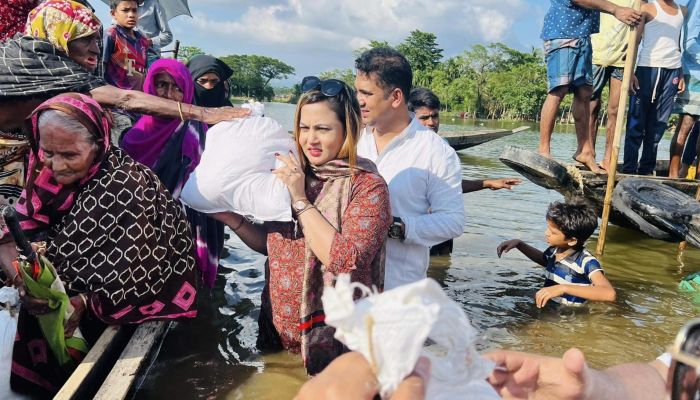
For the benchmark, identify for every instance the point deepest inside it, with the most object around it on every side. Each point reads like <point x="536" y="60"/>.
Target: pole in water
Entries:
<point x="630" y="58"/>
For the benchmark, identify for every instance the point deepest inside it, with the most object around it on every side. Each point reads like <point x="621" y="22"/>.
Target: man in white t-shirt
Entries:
<point x="423" y="172"/>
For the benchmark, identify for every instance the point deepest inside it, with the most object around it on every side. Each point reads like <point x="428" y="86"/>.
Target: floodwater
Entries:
<point x="214" y="357"/>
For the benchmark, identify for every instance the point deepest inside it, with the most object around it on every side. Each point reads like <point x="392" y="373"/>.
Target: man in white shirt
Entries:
<point x="423" y="172"/>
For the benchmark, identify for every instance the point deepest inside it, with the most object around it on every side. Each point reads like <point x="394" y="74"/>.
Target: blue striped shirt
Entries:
<point x="575" y="269"/>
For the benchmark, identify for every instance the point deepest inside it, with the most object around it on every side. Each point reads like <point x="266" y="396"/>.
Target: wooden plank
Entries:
<point x="87" y="365"/>
<point x="127" y="367"/>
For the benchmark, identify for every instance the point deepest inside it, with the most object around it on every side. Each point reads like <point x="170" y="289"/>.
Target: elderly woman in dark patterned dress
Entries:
<point x="341" y="206"/>
<point x="117" y="239"/>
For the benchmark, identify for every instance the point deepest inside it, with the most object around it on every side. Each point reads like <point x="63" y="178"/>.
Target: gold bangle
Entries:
<point x="179" y="109"/>
<point x="310" y="206"/>
<point x="239" y="225"/>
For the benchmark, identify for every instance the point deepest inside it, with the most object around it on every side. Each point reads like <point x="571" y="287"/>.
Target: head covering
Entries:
<point x="61" y="21"/>
<point x="147" y="138"/>
<point x="43" y="197"/>
<point x="216" y="96"/>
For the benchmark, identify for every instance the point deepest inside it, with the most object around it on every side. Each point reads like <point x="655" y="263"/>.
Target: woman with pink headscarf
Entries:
<point x="172" y="148"/>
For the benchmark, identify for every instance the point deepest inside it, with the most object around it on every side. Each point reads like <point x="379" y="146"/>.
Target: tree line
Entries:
<point x="252" y="74"/>
<point x="486" y="81"/>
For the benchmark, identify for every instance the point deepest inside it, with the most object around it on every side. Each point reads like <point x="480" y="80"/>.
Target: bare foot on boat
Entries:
<point x="590" y="163"/>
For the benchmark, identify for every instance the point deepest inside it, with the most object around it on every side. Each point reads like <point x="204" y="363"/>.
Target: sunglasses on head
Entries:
<point x="329" y="87"/>
<point x="684" y="374"/>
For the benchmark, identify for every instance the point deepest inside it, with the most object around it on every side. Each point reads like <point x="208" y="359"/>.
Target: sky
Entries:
<point x="319" y="35"/>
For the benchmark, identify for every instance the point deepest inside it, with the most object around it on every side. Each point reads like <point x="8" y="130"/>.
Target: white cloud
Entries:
<point x="345" y="24"/>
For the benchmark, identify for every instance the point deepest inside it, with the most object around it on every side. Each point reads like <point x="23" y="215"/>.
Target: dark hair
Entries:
<point x="391" y="68"/>
<point x="113" y="4"/>
<point x="422" y="97"/>
<point x="575" y="220"/>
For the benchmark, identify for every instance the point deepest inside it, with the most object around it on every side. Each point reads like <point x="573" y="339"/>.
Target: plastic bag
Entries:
<point x="234" y="173"/>
<point x="9" y="297"/>
<point x="257" y="109"/>
<point x="393" y="329"/>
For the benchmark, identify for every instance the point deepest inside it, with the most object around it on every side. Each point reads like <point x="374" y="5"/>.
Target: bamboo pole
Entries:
<point x="621" y="122"/>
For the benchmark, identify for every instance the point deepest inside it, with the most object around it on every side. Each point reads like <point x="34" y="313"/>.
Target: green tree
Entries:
<point x="252" y="74"/>
<point x="421" y="50"/>
<point x="345" y="74"/>
<point x="373" y="44"/>
<point x="185" y="53"/>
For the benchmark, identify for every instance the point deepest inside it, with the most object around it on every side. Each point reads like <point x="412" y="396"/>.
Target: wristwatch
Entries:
<point x="397" y="229"/>
<point x="301" y="205"/>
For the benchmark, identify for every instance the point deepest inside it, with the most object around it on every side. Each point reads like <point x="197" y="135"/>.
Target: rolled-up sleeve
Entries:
<point x="364" y="226"/>
<point x="446" y="218"/>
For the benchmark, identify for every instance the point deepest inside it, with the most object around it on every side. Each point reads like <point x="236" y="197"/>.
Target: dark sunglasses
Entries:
<point x="329" y="87"/>
<point x="685" y="365"/>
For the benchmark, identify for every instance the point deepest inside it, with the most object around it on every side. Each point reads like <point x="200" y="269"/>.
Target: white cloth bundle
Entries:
<point x="9" y="297"/>
<point x="390" y="329"/>
<point x="234" y="172"/>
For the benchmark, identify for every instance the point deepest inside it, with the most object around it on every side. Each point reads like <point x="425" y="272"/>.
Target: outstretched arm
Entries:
<point x="133" y="100"/>
<point x="524" y="376"/>
<point x="493" y="184"/>
<point x="529" y="251"/>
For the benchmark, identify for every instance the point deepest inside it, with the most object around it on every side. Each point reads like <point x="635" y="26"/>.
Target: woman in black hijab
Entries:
<point x="210" y="75"/>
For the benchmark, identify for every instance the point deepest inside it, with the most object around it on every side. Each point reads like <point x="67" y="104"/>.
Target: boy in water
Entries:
<point x="573" y="275"/>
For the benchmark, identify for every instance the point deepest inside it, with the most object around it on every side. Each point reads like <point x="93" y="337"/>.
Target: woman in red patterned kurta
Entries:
<point x="341" y="206"/>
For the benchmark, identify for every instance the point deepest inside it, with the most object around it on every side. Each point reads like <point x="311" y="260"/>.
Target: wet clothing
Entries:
<point x="124" y="58"/>
<point x="423" y="173"/>
<point x="568" y="62"/>
<point x="566" y="20"/>
<point x="355" y="201"/>
<point x="575" y="269"/>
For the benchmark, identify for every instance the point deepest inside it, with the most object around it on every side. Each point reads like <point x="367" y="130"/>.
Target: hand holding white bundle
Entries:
<point x="390" y="329"/>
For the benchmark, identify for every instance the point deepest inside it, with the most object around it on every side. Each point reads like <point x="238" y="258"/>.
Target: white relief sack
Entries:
<point x="393" y="329"/>
<point x="234" y="173"/>
<point x="9" y="297"/>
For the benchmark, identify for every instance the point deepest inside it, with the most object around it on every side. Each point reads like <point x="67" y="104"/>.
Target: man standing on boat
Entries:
<point x="567" y="30"/>
<point x="609" y="49"/>
<point x="425" y="105"/>
<point x="423" y="172"/>
<point x="688" y="102"/>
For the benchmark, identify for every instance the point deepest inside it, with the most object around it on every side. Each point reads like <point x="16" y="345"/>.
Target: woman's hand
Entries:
<point x="33" y="305"/>
<point x="215" y="115"/>
<point x="292" y="175"/>
<point x="79" y="308"/>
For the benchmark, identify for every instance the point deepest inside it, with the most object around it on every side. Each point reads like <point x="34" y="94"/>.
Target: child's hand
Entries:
<point x="507" y="246"/>
<point x="545" y="294"/>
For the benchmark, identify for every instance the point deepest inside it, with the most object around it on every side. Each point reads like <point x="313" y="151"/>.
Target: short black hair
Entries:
<point x="391" y="68"/>
<point x="113" y="4"/>
<point x="422" y="97"/>
<point x="575" y="220"/>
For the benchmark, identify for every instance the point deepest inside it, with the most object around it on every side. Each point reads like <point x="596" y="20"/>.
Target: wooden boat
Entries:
<point x="116" y="364"/>
<point x="465" y="140"/>
<point x="574" y="181"/>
